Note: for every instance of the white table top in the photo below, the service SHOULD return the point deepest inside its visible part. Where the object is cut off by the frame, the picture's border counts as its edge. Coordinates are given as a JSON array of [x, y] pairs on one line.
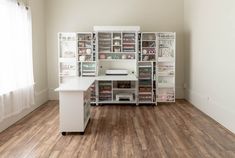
[[83, 83], [130, 77], [77, 84]]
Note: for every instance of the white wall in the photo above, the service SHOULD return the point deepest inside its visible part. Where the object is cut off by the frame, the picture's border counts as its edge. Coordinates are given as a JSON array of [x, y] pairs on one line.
[[210, 58], [39, 61], [39, 50], [82, 15]]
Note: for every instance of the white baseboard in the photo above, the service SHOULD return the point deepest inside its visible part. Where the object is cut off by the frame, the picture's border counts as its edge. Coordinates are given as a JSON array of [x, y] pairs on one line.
[[40, 98], [53, 95], [212, 108]]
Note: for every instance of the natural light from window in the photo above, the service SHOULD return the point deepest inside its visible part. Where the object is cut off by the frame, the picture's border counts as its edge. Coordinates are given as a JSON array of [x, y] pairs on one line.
[[15, 47], [16, 68]]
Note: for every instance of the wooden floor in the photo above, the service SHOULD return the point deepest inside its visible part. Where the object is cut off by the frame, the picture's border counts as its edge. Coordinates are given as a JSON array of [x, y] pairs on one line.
[[168, 130]]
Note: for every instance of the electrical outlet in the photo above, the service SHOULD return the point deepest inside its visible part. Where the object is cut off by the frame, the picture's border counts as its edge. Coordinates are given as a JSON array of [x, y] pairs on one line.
[[185, 85]]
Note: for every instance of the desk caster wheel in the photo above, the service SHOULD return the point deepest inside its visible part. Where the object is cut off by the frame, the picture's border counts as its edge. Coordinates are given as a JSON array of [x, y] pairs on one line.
[[63, 133]]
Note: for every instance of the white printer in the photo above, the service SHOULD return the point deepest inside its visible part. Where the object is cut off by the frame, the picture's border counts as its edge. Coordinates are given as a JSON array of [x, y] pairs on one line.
[[116, 72]]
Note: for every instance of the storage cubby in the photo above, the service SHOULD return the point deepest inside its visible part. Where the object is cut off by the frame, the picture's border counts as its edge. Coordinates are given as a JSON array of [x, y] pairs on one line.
[[166, 69], [123, 85], [166, 47], [117, 42], [68, 69], [124, 91], [116, 46], [145, 82], [88, 69], [68, 49], [129, 42], [85, 47], [105, 91], [68, 45], [104, 42], [148, 46], [117, 56], [93, 93]]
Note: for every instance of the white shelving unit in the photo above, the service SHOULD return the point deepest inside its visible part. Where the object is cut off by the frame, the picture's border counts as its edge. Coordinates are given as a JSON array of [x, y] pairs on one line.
[[89, 54], [117, 49], [114, 46], [67, 56], [166, 67], [145, 94], [148, 56], [85, 46], [148, 46]]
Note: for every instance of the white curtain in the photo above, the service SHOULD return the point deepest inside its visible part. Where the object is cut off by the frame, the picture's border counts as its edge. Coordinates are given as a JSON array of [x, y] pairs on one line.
[[16, 68]]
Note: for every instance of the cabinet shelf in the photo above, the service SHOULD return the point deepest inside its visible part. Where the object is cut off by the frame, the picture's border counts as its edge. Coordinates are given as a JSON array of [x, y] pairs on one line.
[[149, 54], [88, 70], [149, 47], [116, 59], [84, 40], [166, 59], [85, 47], [165, 85], [104, 39], [128, 42], [145, 93], [117, 102], [67, 59], [65, 75], [165, 75], [124, 89], [148, 40], [85, 54], [117, 52]]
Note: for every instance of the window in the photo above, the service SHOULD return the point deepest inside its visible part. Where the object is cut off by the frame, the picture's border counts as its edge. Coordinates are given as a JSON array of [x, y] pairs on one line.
[[16, 68]]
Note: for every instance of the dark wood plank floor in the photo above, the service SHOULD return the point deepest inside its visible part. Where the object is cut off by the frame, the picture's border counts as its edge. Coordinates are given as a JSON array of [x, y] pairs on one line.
[[168, 130]]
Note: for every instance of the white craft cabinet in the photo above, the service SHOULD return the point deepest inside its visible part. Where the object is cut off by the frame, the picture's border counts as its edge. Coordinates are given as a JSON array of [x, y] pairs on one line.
[[89, 54]]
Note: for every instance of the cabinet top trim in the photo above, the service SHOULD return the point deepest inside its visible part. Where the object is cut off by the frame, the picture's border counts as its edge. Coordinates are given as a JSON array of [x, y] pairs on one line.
[[117, 28]]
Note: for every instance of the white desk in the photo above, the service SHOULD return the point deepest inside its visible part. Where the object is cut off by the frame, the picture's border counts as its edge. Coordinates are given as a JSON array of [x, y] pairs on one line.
[[74, 99], [76, 84], [75, 104]]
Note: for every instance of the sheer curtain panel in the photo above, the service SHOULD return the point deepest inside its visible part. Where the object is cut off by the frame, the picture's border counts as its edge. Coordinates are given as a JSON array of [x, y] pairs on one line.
[[16, 68]]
